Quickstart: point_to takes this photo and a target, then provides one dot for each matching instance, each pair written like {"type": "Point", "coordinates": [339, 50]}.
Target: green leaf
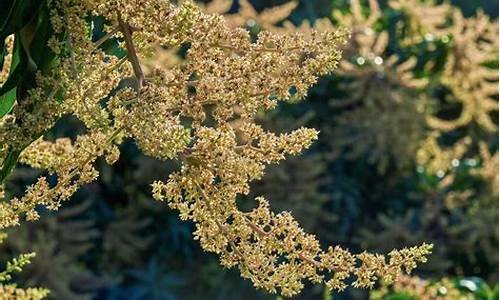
{"type": "Point", "coordinates": [494, 293]}
{"type": "Point", "coordinates": [5, 8]}
{"type": "Point", "coordinates": [8, 91]}
{"type": "Point", "coordinates": [9, 163]}
{"type": "Point", "coordinates": [2, 53]}
{"type": "Point", "coordinates": [29, 21]}
{"type": "Point", "coordinates": [30, 54]}
{"type": "Point", "coordinates": [400, 296]}
{"type": "Point", "coordinates": [19, 76]}
{"type": "Point", "coordinates": [7, 101]}
{"type": "Point", "coordinates": [39, 52]}
{"type": "Point", "coordinates": [15, 14]}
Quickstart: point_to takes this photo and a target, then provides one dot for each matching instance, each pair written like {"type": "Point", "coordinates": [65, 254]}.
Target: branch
{"type": "Point", "coordinates": [126, 29]}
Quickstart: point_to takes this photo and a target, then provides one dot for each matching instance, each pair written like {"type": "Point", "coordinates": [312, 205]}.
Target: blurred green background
{"type": "Point", "coordinates": [112, 241]}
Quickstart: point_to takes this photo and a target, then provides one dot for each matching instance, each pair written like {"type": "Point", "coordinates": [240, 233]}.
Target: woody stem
{"type": "Point", "coordinates": [126, 29]}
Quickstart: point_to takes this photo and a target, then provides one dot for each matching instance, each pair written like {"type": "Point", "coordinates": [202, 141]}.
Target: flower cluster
{"type": "Point", "coordinates": [10, 291]}
{"type": "Point", "coordinates": [422, 289]}
{"type": "Point", "coordinates": [386, 87]}
{"type": "Point", "coordinates": [248, 16]}
{"type": "Point", "coordinates": [472, 83]}
{"type": "Point", "coordinates": [201, 112]}
{"type": "Point", "coordinates": [424, 19]}
{"type": "Point", "coordinates": [417, 91]}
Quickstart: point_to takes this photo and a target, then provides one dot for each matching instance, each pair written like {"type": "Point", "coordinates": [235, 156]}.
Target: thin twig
{"type": "Point", "coordinates": [131, 53]}
{"type": "Point", "coordinates": [106, 37]}
{"type": "Point", "coordinates": [261, 232]}
{"type": "Point", "coordinates": [308, 260]}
